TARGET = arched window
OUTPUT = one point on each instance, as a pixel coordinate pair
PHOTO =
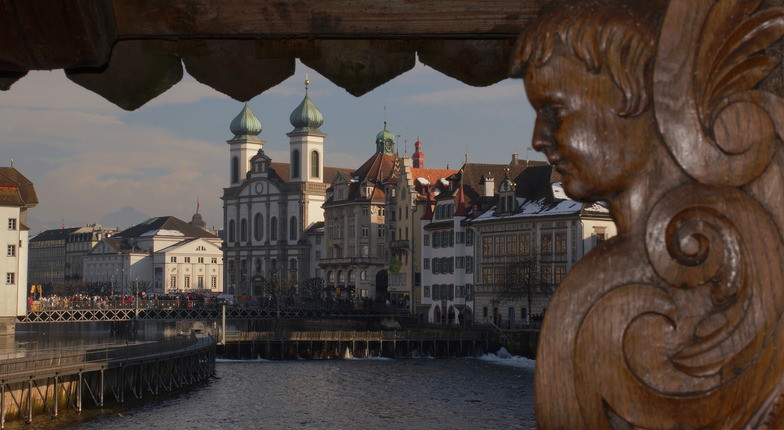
(258, 230)
(231, 231)
(295, 164)
(274, 228)
(257, 267)
(341, 277)
(244, 230)
(293, 228)
(314, 164)
(235, 170)
(331, 277)
(293, 269)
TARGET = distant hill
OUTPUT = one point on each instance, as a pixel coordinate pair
(125, 217)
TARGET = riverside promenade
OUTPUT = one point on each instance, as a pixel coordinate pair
(40, 382)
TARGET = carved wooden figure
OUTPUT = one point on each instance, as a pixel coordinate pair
(656, 109)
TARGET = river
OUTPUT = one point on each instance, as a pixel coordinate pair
(488, 392)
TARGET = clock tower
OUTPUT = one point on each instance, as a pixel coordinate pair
(385, 141)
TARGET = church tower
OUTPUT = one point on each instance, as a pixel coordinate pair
(244, 145)
(418, 158)
(306, 142)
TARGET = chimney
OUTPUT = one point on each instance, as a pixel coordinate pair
(489, 185)
(515, 160)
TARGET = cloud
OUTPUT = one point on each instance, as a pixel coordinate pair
(52, 90)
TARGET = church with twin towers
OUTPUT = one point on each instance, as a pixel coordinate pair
(273, 219)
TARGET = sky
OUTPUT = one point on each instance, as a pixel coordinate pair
(88, 157)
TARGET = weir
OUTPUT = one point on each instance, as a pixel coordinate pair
(44, 382)
(292, 345)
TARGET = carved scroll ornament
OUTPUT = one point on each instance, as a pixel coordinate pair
(657, 110)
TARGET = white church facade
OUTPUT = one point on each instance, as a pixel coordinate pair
(271, 208)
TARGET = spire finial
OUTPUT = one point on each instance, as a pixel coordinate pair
(307, 82)
(385, 117)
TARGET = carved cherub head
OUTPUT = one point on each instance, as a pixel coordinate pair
(587, 68)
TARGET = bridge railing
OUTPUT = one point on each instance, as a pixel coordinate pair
(31, 361)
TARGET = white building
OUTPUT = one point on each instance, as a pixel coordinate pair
(271, 209)
(532, 225)
(165, 254)
(17, 194)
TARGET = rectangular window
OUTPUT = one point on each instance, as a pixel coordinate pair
(427, 290)
(460, 237)
(318, 255)
(426, 240)
(499, 245)
(173, 259)
(12, 223)
(500, 275)
(187, 282)
(365, 231)
(10, 278)
(487, 275)
(426, 263)
(173, 283)
(201, 260)
(214, 282)
(12, 250)
(187, 259)
(560, 273)
(487, 246)
(511, 244)
(560, 243)
(469, 264)
(547, 244)
(470, 237)
(460, 262)
(547, 274)
(484, 311)
(201, 282)
(525, 244)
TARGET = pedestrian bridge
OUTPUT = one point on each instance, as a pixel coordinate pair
(206, 312)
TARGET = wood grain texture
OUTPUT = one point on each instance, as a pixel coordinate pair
(676, 322)
(43, 34)
(368, 19)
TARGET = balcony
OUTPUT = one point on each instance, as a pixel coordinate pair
(399, 245)
(352, 261)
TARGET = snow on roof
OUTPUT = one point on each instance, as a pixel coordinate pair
(558, 191)
(423, 181)
(163, 232)
(539, 208)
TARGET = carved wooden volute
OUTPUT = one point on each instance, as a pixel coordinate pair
(657, 110)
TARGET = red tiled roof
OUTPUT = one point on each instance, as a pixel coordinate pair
(11, 176)
(10, 196)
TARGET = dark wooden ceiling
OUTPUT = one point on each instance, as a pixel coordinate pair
(131, 51)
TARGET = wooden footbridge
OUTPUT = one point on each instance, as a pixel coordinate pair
(34, 383)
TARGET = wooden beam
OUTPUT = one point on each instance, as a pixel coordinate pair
(355, 19)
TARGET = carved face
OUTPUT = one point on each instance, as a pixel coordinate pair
(596, 151)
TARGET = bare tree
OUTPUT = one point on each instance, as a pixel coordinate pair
(313, 287)
(523, 281)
